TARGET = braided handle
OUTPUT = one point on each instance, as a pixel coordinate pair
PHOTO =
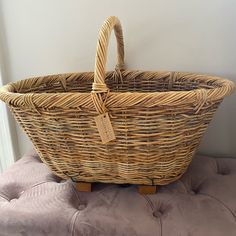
(111, 23)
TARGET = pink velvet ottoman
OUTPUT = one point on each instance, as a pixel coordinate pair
(35, 202)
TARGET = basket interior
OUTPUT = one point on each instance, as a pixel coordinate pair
(130, 82)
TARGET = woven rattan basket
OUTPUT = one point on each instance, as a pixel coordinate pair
(149, 127)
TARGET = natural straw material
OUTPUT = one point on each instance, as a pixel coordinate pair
(158, 118)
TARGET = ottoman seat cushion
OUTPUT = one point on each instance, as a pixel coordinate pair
(33, 201)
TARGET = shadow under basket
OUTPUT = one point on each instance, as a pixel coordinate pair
(158, 118)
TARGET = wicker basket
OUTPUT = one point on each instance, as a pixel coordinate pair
(158, 118)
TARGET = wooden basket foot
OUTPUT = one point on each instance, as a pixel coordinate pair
(147, 189)
(84, 187)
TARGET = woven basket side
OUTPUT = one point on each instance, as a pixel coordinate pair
(152, 146)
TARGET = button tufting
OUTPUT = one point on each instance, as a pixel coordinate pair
(13, 199)
(222, 169)
(81, 207)
(194, 191)
(225, 172)
(157, 214)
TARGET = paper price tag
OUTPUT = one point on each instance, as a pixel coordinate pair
(105, 128)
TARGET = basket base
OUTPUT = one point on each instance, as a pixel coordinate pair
(147, 189)
(142, 189)
(84, 187)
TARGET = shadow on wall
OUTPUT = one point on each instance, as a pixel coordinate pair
(218, 140)
(5, 75)
(230, 123)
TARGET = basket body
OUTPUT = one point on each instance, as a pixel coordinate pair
(154, 145)
(158, 118)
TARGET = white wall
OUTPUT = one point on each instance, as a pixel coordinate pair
(55, 36)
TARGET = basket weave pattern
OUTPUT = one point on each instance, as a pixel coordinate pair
(158, 118)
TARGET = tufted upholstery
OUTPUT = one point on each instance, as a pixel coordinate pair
(35, 202)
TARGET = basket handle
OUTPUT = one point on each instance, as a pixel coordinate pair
(111, 23)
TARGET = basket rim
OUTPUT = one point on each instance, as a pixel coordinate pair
(115, 99)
